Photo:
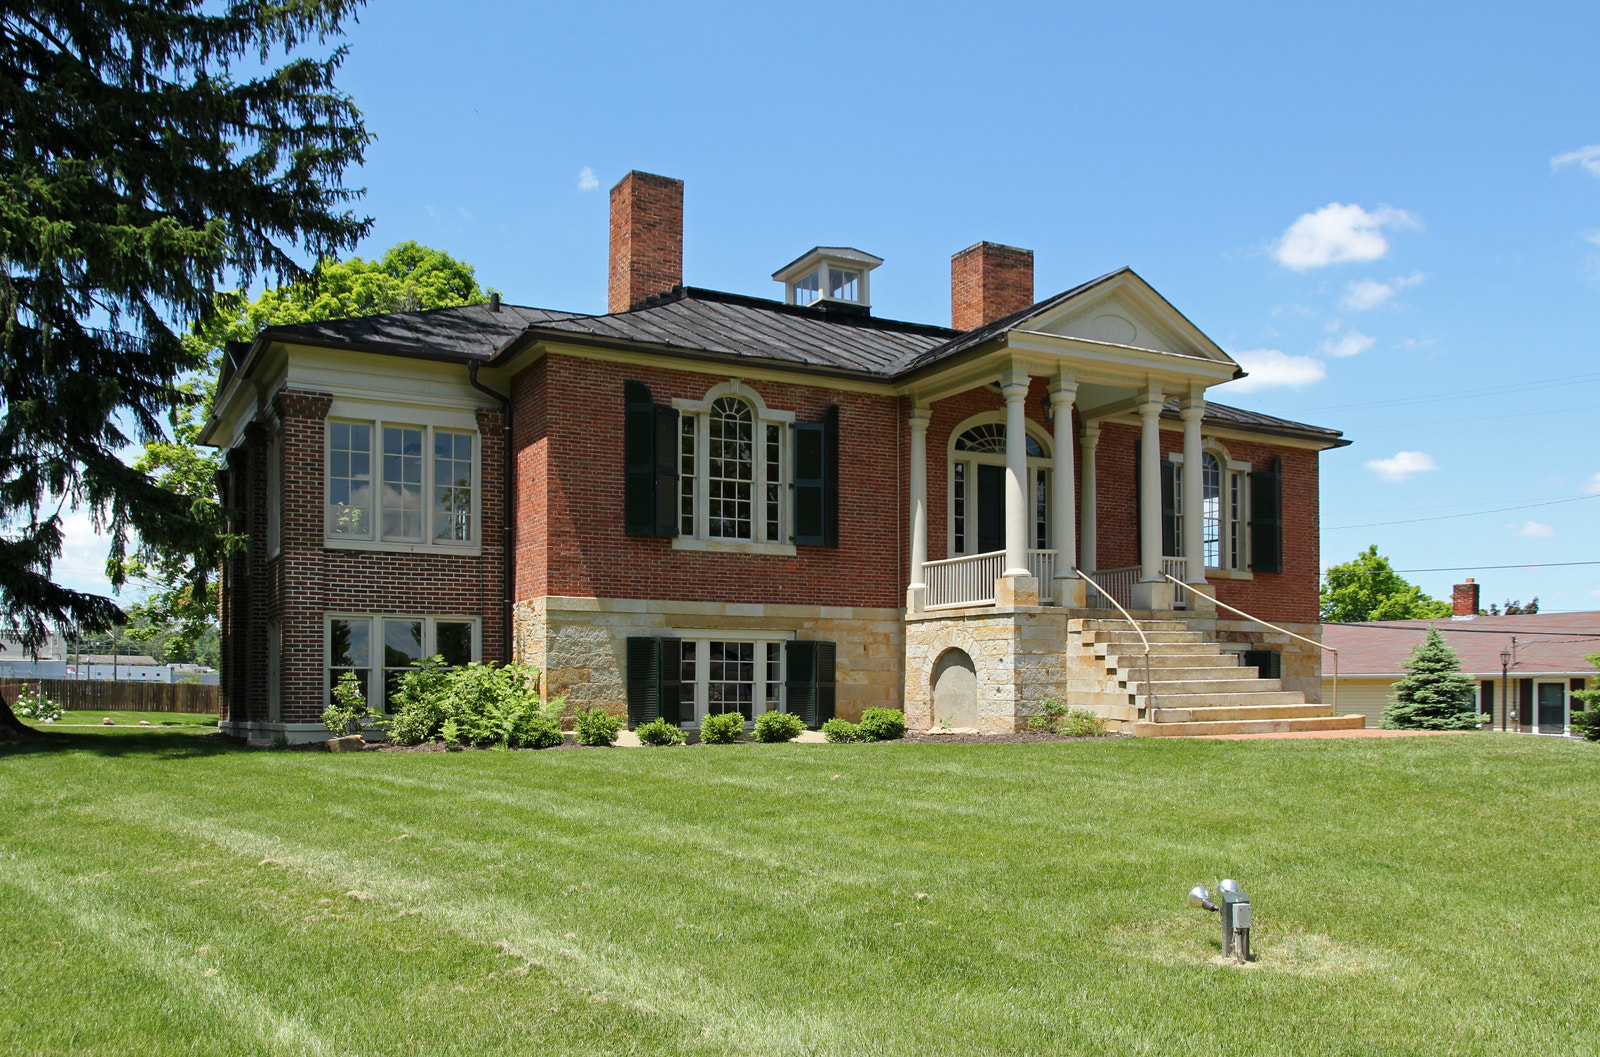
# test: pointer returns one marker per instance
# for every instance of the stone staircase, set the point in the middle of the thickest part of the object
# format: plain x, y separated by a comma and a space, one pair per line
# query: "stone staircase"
1193, 687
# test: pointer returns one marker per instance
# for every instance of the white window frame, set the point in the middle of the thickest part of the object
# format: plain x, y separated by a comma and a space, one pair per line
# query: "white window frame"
375, 668
1038, 466
692, 703
1230, 530
376, 540
698, 412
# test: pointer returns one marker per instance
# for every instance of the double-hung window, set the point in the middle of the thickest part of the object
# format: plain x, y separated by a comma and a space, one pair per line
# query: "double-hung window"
733, 472
1223, 515
380, 650
399, 483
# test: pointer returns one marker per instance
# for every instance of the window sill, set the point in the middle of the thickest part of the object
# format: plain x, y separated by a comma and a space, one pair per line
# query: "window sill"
464, 550
1229, 574
704, 546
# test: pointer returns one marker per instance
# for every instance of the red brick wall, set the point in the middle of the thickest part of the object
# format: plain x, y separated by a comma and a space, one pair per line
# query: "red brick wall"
646, 238
988, 281
571, 461
306, 581
1289, 595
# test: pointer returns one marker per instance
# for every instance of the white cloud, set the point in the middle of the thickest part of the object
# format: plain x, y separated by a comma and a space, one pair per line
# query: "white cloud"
1351, 344
1593, 487
82, 565
1533, 529
1402, 464
1594, 590
1363, 294
1337, 233
1269, 367
1588, 157
587, 181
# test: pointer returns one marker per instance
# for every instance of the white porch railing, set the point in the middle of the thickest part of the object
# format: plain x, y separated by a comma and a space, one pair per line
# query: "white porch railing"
1119, 582
969, 580
964, 581
1042, 564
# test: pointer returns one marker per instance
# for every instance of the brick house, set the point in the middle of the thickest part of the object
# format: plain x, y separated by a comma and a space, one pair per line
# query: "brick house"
710, 501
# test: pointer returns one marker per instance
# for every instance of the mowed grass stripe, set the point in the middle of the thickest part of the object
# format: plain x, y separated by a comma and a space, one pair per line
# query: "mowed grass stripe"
744, 900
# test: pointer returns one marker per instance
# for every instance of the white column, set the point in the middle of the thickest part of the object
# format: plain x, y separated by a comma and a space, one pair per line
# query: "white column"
917, 590
1014, 384
1088, 535
1191, 408
1067, 590
1150, 486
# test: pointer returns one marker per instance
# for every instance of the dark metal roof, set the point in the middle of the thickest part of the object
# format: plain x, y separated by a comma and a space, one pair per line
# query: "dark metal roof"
693, 319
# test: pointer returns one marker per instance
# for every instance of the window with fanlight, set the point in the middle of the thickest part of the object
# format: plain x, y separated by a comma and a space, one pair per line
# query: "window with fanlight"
977, 461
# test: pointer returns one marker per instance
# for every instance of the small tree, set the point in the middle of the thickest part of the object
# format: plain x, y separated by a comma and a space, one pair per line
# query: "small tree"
1434, 695
1586, 721
1367, 588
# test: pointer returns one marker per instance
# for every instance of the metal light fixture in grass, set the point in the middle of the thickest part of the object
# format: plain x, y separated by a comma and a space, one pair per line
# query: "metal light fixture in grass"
1235, 911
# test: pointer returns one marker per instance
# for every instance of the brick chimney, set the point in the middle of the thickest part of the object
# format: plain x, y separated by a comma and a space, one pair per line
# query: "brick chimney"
1464, 599
988, 281
646, 238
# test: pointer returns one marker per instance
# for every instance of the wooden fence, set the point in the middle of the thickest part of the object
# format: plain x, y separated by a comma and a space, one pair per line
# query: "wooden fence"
115, 695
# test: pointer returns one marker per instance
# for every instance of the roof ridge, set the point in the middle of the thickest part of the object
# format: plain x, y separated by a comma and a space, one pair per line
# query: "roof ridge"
727, 297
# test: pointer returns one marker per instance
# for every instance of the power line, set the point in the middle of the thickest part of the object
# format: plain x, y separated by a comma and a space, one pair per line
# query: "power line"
1472, 513
1565, 633
1473, 568
1491, 390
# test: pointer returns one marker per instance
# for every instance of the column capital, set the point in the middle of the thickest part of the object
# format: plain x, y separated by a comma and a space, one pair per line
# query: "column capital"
1150, 402
1065, 386
919, 416
1192, 405
1091, 434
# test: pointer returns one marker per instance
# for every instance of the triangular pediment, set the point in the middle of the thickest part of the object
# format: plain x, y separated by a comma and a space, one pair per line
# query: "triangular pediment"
1123, 310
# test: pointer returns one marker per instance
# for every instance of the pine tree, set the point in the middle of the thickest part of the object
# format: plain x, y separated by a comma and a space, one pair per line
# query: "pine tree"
149, 151
1434, 695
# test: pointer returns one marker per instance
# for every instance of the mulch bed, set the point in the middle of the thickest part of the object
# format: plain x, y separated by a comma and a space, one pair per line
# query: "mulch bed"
1021, 737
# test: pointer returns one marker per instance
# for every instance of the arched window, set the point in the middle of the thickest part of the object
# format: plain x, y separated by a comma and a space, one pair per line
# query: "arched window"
977, 501
730, 477
1222, 522
1211, 508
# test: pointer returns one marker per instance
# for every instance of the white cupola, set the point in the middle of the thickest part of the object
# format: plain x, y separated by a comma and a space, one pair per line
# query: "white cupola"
828, 273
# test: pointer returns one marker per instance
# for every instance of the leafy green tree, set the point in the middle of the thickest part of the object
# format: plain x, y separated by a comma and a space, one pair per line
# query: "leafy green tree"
408, 277
1367, 588
1433, 695
1587, 720
150, 150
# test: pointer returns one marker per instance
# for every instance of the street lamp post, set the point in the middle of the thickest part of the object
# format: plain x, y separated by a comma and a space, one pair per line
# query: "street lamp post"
1505, 683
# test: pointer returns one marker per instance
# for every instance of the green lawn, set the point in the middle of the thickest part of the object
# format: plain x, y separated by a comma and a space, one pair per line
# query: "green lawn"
162, 893
156, 719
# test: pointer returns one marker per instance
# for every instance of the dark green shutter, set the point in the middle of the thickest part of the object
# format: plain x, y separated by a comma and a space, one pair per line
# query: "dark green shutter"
650, 458
644, 683
1266, 519
655, 680
639, 458
830, 477
1170, 544
809, 668
1525, 716
666, 470
810, 483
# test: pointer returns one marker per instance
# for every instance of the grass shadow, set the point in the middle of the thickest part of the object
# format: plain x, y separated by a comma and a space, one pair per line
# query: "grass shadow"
167, 743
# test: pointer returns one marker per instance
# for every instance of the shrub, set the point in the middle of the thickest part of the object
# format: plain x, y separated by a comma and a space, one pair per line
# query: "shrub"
882, 724
660, 732
778, 726
596, 726
1081, 723
349, 707
838, 730
533, 731
420, 704
1047, 716
36, 705
721, 729
1587, 722
477, 704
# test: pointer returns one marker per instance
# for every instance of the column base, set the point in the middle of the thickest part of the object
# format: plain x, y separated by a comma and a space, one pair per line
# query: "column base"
1071, 592
1016, 591
1152, 594
916, 598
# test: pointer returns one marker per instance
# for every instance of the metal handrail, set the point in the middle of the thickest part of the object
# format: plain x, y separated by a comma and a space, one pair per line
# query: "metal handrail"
1334, 704
1150, 686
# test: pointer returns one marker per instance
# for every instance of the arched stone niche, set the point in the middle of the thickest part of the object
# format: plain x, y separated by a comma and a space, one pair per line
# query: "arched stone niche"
955, 690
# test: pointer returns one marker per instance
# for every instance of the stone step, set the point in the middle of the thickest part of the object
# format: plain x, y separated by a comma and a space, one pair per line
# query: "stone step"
1132, 638
1248, 684
1168, 649
1132, 669
1145, 729
1230, 700
1211, 715
1100, 624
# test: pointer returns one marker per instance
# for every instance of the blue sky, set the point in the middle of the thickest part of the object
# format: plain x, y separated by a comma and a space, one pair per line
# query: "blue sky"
1389, 212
